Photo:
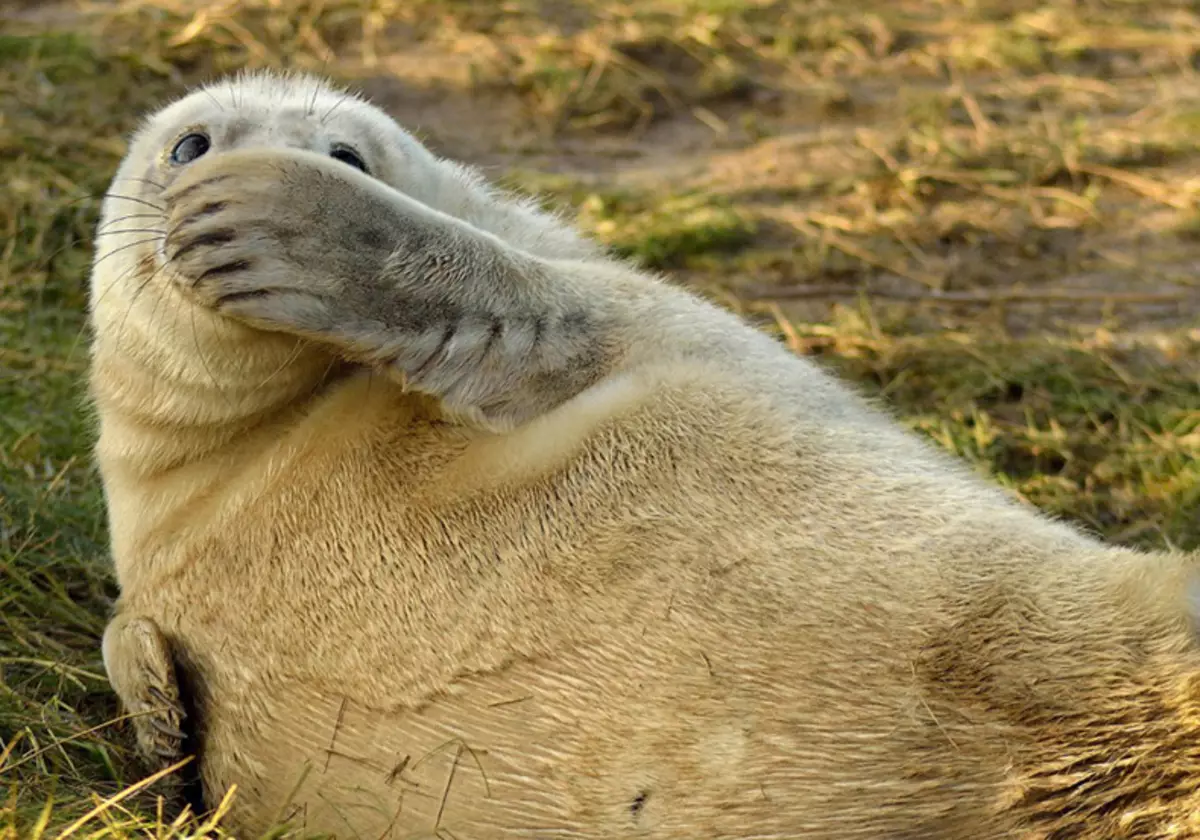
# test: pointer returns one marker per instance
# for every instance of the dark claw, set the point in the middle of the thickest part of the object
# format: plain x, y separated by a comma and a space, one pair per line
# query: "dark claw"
228, 268
165, 728
209, 209
184, 193
165, 700
169, 753
216, 237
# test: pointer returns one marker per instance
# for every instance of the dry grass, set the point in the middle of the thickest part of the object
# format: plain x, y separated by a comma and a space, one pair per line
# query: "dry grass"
985, 213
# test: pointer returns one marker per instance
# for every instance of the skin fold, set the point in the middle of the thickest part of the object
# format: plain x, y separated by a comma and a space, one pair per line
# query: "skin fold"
432, 519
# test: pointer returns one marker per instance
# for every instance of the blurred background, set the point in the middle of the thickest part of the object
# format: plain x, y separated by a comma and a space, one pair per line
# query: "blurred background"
985, 213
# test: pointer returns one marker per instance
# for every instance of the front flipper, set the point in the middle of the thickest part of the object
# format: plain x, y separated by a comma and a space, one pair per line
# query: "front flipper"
142, 673
293, 242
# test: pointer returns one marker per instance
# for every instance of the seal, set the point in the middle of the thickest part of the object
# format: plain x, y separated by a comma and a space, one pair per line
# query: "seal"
431, 518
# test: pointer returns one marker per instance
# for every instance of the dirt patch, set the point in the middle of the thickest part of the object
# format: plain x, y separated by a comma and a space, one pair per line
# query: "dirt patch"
1091, 275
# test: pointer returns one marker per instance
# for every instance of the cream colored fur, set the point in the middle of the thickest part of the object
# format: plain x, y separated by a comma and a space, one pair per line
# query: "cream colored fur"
454, 526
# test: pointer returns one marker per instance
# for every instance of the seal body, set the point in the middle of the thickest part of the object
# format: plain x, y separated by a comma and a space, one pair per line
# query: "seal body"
453, 526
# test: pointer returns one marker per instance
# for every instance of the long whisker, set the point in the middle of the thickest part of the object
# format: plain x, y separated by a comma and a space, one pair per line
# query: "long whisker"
129, 230
75, 342
93, 304
47, 259
136, 200
112, 284
214, 99
124, 247
222, 338
292, 356
312, 100
204, 361
82, 198
159, 272
137, 290
132, 298
346, 95
140, 180
334, 361
126, 217
108, 193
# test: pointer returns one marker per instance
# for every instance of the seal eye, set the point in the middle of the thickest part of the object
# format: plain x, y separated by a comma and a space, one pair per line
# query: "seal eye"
189, 148
348, 156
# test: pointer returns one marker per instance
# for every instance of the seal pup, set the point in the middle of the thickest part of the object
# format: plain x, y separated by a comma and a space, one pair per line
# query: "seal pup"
431, 519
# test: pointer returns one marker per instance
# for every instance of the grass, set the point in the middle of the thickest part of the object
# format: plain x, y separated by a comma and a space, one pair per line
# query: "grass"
985, 213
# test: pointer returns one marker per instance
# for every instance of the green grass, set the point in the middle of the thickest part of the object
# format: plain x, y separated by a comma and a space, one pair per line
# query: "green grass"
655, 230
60, 138
872, 182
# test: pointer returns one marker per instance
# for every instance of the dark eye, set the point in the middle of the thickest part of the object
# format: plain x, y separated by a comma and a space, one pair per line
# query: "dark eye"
348, 156
189, 148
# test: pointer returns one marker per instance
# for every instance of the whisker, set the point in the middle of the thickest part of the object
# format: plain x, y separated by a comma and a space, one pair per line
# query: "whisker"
78, 339
126, 217
161, 271
120, 337
132, 301
82, 198
214, 99
111, 285
292, 356
334, 361
345, 96
124, 247
135, 201
141, 181
158, 301
312, 102
93, 303
222, 339
204, 361
106, 194
100, 233
46, 259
